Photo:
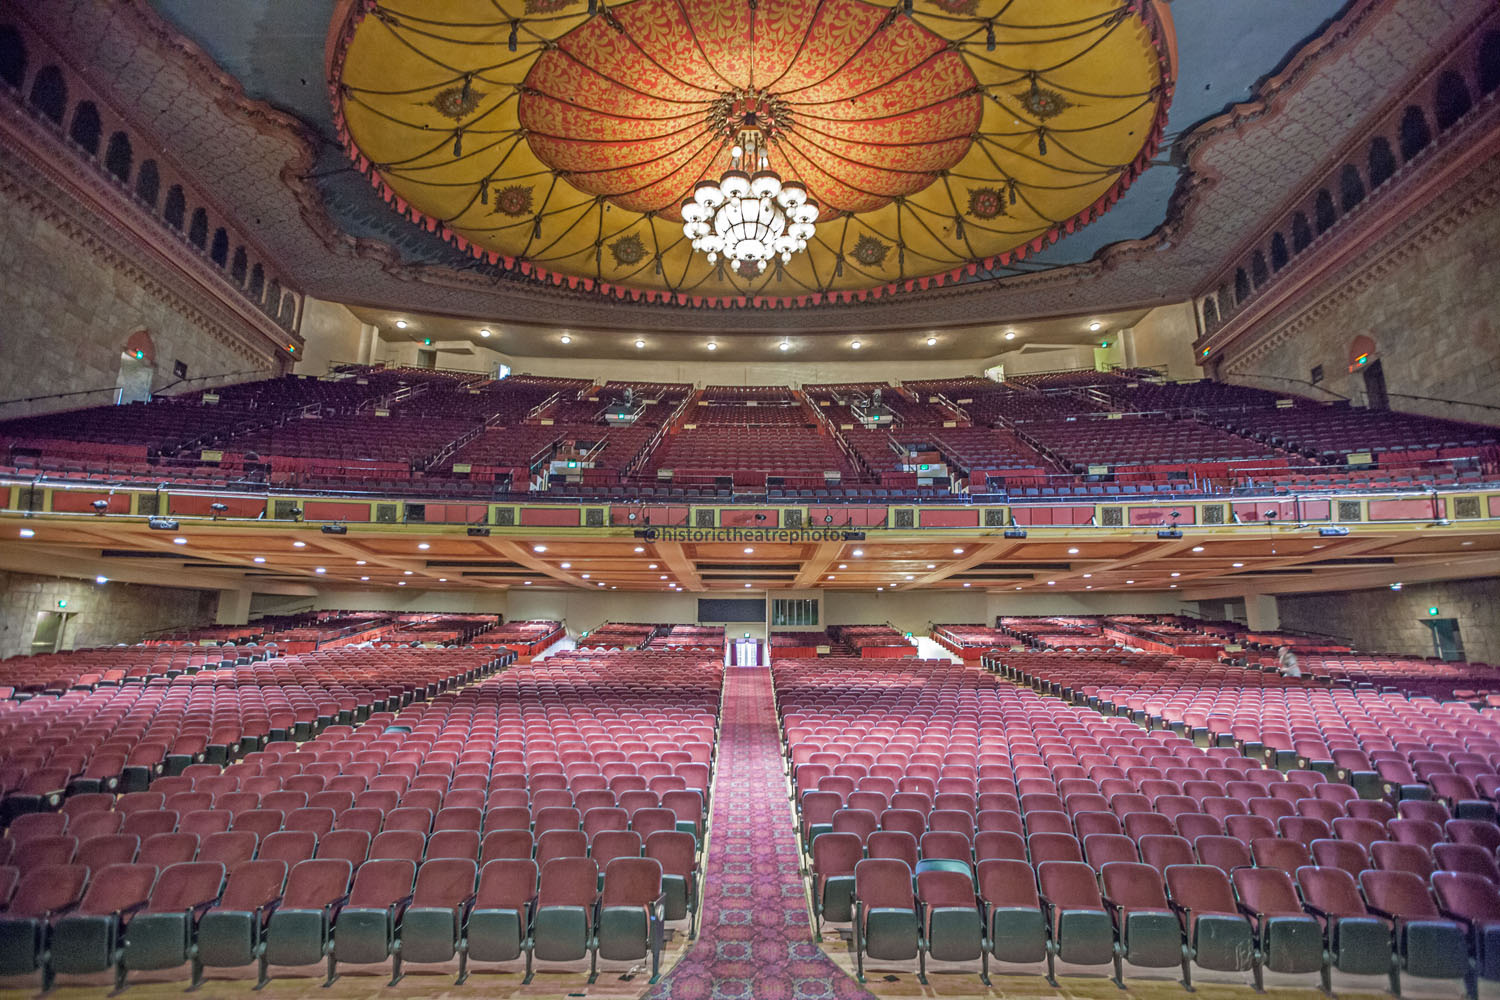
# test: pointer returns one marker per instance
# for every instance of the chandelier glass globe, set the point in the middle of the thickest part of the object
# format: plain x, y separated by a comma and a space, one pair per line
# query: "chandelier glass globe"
749, 217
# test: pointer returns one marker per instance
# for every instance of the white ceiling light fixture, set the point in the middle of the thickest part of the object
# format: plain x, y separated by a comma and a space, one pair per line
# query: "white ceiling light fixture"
423, 546
484, 333
783, 346
857, 553
749, 215
1095, 326
1197, 548
299, 545
364, 578
639, 344
958, 552
101, 579
319, 569
401, 324
640, 548
565, 339
359, 562
748, 550
539, 548
712, 346
27, 533
259, 559
179, 540
931, 341
854, 345
1010, 335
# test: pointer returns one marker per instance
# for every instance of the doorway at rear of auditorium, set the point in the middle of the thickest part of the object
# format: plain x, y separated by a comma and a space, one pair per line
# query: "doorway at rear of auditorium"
746, 652
1375, 395
50, 626
1447, 644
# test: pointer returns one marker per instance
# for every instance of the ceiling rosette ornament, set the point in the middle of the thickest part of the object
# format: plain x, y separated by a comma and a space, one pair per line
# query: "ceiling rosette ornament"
939, 138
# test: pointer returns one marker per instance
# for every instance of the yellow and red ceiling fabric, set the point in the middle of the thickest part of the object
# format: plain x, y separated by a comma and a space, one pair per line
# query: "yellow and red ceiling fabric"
940, 137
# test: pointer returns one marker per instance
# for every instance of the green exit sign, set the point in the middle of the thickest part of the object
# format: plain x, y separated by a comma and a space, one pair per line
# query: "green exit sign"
1432, 612
62, 603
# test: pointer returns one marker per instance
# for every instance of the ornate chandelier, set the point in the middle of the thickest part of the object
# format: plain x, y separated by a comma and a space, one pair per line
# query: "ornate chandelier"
749, 217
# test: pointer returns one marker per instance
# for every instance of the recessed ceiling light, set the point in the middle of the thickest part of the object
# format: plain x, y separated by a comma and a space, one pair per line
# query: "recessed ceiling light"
1130, 581
526, 583
712, 346
879, 588
1088, 586
27, 533
784, 346
319, 569
599, 584
1072, 552
299, 545
1176, 574
364, 578
423, 546
1096, 326
931, 341
857, 553
748, 550
401, 324
565, 339
565, 565
640, 343
101, 579
662, 577
1018, 586
832, 577
1050, 583
747, 586
400, 583
259, 559
1197, 548
406, 572
855, 345
442, 579
539, 548
639, 548
651, 565
843, 565
484, 333
910, 577
1088, 576
1461, 543
1236, 565
359, 562
179, 540
1174, 586
1010, 335
584, 575
968, 585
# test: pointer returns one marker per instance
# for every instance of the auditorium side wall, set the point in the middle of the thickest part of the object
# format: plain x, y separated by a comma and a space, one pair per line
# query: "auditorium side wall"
98, 614
1393, 621
69, 301
1424, 293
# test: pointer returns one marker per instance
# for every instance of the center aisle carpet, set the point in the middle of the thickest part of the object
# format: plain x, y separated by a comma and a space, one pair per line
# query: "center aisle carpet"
755, 940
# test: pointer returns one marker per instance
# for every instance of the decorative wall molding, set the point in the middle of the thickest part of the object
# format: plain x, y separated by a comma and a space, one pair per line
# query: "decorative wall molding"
1395, 248
108, 225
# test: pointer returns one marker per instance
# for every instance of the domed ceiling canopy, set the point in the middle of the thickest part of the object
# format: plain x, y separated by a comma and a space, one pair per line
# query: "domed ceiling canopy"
940, 138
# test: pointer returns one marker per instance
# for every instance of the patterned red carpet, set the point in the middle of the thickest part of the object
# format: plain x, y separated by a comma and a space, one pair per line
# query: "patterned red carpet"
756, 937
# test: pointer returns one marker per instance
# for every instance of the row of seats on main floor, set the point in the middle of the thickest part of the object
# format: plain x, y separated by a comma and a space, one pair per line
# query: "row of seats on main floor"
121, 738
1382, 742
935, 732
1312, 921
536, 741
135, 916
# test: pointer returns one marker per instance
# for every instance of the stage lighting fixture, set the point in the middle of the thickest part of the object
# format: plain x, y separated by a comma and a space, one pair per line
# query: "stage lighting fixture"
335, 529
1014, 532
1333, 532
479, 532
162, 524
